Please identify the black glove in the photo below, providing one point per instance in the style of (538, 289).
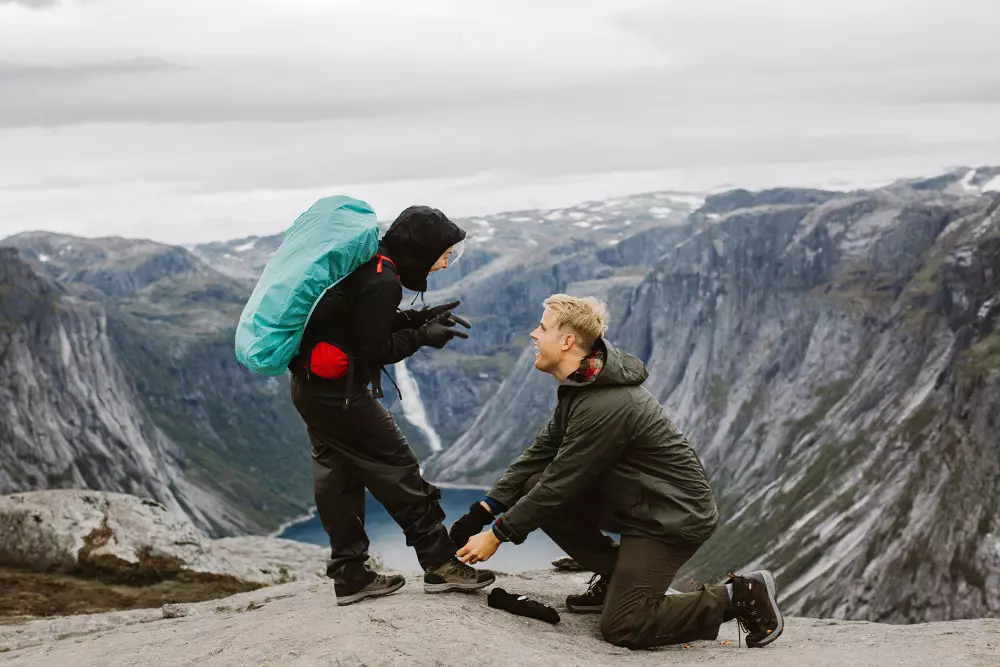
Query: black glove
(430, 313)
(417, 317)
(469, 524)
(521, 606)
(440, 330)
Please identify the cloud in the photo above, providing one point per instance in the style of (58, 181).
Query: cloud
(817, 36)
(72, 71)
(189, 119)
(33, 4)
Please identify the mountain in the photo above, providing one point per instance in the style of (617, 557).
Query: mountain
(118, 374)
(125, 347)
(519, 259)
(833, 356)
(835, 359)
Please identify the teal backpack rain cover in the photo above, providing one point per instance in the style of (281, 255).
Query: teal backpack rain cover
(324, 244)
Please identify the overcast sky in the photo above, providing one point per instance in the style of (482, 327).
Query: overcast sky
(195, 120)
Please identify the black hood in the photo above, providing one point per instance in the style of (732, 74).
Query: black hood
(416, 239)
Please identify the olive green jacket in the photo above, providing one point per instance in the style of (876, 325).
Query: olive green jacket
(610, 436)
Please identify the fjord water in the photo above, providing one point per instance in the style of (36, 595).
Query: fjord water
(389, 544)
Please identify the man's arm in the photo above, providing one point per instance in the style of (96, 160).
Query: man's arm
(531, 462)
(596, 435)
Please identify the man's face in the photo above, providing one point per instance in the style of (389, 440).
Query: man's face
(552, 343)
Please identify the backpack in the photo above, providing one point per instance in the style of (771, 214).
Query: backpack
(321, 248)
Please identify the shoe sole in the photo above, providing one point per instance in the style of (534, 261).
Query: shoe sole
(771, 594)
(585, 610)
(452, 586)
(362, 595)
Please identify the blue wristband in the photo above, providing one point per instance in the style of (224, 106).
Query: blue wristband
(495, 506)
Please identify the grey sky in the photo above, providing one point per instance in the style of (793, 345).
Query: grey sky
(190, 120)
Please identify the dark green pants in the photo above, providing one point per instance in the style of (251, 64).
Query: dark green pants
(636, 613)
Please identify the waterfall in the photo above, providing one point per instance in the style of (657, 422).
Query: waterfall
(413, 407)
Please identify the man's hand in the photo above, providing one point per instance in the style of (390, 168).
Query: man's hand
(479, 548)
(470, 523)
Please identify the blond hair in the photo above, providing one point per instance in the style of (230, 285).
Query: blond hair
(587, 318)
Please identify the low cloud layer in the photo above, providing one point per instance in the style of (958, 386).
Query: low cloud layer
(188, 120)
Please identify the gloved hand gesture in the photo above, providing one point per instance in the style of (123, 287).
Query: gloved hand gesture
(441, 329)
(417, 317)
(431, 312)
(469, 524)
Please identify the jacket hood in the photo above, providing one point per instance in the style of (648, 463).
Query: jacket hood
(621, 368)
(416, 239)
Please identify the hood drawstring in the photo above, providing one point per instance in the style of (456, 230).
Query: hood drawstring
(382, 368)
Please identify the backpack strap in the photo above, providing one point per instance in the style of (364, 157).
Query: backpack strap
(381, 258)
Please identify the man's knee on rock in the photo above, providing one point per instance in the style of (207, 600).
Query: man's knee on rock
(616, 631)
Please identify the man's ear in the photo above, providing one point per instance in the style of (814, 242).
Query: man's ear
(569, 341)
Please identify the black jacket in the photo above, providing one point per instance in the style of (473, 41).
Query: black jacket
(361, 314)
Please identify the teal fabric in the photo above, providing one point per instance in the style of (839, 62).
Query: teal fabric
(334, 237)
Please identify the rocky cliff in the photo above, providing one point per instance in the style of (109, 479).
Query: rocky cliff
(513, 261)
(119, 371)
(71, 415)
(835, 358)
(118, 374)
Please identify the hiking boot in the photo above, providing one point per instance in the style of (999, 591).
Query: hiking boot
(381, 584)
(755, 607)
(593, 600)
(455, 575)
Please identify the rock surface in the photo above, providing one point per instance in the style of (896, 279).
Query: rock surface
(117, 374)
(125, 539)
(300, 624)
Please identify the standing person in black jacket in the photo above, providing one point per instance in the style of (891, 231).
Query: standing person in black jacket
(354, 331)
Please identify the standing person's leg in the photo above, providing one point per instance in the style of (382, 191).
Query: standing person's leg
(637, 614)
(390, 470)
(366, 436)
(338, 489)
(340, 502)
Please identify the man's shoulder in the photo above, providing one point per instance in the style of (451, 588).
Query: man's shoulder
(602, 398)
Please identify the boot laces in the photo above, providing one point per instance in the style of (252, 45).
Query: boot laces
(750, 621)
(596, 582)
(463, 570)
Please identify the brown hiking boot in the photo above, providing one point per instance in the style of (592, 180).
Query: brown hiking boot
(755, 606)
(381, 584)
(593, 600)
(455, 575)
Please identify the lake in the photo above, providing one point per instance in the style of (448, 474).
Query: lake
(388, 543)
